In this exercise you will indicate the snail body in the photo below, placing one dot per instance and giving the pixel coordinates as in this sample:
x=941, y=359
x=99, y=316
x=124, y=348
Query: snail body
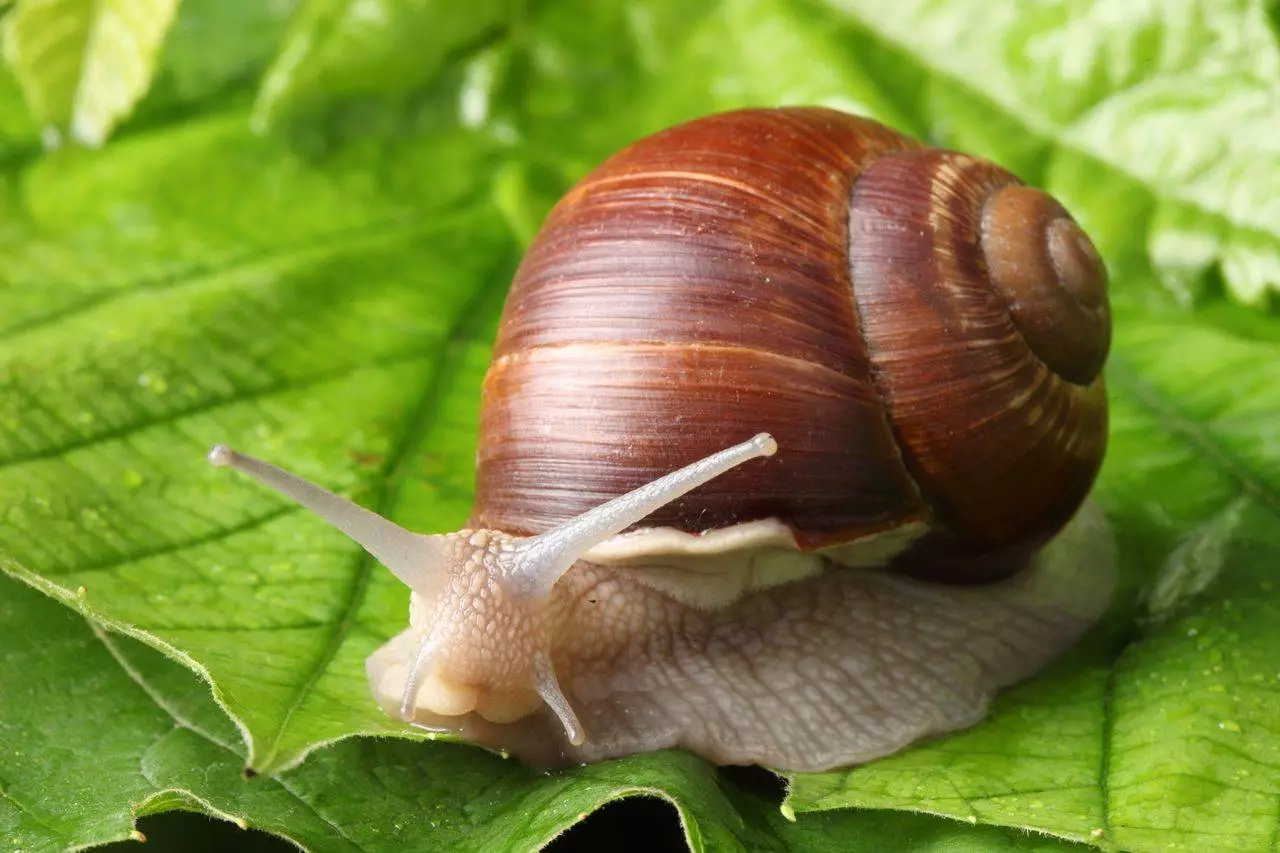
x=915, y=338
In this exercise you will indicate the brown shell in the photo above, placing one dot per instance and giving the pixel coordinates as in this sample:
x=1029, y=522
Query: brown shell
x=739, y=274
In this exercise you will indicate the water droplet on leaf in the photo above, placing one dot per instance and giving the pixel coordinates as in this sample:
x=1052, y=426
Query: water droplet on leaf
x=154, y=383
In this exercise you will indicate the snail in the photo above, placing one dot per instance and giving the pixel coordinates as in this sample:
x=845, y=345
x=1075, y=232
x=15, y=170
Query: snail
x=784, y=458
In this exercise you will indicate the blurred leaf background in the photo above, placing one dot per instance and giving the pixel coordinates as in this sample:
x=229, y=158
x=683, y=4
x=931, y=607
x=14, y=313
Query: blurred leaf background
x=290, y=224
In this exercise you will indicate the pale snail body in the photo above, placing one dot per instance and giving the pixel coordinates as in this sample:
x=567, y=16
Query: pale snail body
x=921, y=538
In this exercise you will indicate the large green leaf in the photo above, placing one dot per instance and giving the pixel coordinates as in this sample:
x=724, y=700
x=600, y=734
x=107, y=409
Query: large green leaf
x=84, y=63
x=327, y=298
x=69, y=779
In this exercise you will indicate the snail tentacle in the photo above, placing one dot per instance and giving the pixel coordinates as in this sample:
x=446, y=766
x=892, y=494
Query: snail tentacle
x=539, y=561
x=410, y=556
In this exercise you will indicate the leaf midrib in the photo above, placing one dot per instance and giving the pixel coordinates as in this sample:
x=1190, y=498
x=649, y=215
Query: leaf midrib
x=1201, y=442
x=285, y=385
x=451, y=351
x=320, y=244
x=1178, y=424
x=1108, y=738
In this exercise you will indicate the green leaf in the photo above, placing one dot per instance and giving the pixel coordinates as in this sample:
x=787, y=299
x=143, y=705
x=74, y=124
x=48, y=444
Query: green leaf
x=84, y=63
x=340, y=50
x=66, y=779
x=212, y=49
x=326, y=298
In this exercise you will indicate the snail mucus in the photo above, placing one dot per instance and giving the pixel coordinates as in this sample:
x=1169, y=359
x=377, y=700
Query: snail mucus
x=784, y=458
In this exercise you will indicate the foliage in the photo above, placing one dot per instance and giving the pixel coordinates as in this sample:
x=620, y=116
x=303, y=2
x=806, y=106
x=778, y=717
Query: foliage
x=300, y=242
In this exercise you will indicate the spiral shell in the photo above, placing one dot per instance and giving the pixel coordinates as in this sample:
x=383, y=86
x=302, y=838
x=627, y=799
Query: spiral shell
x=923, y=335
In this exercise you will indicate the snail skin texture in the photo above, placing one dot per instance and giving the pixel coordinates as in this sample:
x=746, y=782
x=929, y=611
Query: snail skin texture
x=784, y=458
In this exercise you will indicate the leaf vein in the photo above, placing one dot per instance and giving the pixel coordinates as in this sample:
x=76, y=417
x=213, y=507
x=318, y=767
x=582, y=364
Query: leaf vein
x=178, y=718
x=322, y=244
x=1190, y=432
x=184, y=545
x=465, y=328
x=1108, y=742
x=280, y=387
x=183, y=722
x=26, y=810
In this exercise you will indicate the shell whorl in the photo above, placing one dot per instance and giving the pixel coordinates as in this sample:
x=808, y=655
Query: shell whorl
x=983, y=307
x=1051, y=278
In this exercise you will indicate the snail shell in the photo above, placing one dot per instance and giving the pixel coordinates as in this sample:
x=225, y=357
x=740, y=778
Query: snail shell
x=920, y=332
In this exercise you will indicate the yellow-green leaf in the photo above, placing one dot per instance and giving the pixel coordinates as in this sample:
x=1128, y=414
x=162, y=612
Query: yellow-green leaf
x=83, y=64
